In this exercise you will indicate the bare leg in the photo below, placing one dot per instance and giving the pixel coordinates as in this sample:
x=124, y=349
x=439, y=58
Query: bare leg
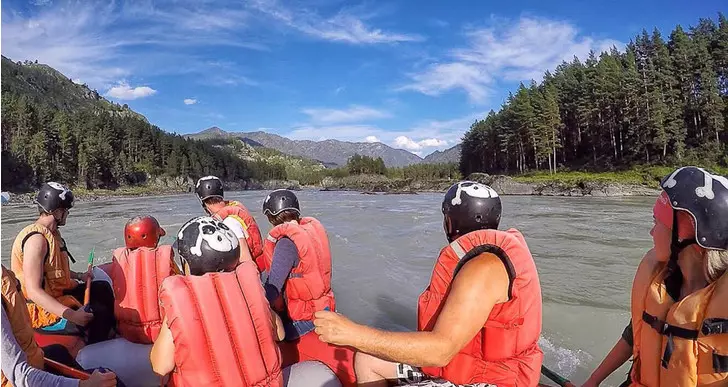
x=372, y=371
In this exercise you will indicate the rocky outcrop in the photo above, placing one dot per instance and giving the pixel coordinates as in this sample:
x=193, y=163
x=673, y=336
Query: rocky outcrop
x=292, y=185
x=506, y=185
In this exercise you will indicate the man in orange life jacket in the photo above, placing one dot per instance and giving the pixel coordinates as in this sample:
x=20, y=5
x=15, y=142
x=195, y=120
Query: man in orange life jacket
x=137, y=271
x=218, y=329
x=479, y=319
x=209, y=191
x=40, y=261
x=299, y=283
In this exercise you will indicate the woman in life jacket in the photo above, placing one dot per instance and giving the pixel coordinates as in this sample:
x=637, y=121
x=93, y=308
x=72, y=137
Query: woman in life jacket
x=210, y=193
x=297, y=260
x=55, y=294
x=478, y=321
x=137, y=271
x=679, y=308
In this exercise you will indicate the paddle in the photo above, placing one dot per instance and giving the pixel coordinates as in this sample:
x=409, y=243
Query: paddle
x=563, y=382
x=87, y=293
x=65, y=370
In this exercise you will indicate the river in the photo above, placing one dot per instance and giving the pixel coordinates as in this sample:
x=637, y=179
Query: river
x=384, y=247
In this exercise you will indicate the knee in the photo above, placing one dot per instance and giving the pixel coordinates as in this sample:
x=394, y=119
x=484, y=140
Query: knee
x=364, y=363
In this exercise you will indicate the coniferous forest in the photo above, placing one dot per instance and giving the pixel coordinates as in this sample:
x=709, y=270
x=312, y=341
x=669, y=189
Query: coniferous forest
x=662, y=101
x=53, y=129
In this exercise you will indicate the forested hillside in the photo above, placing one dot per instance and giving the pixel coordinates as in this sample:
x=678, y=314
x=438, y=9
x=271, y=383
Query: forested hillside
x=55, y=129
x=663, y=101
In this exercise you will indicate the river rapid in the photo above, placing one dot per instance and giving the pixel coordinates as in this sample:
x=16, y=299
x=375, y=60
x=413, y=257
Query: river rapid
x=384, y=247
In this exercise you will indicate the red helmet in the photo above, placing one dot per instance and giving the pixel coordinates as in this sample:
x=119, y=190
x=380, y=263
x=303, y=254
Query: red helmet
x=143, y=231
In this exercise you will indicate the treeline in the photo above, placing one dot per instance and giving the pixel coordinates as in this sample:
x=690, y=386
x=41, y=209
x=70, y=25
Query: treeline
x=93, y=148
x=358, y=164
x=658, y=103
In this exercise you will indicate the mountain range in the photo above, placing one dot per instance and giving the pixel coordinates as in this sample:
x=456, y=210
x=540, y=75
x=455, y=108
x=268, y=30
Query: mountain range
x=331, y=152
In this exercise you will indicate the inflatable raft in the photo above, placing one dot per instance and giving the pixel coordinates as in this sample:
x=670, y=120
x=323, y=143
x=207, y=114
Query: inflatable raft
x=72, y=338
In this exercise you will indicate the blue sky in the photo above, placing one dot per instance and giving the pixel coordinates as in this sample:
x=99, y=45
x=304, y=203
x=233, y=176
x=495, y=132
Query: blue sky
x=411, y=74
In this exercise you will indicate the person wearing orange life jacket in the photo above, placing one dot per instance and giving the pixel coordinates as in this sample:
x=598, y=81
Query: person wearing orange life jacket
x=137, y=271
x=209, y=191
x=677, y=333
x=218, y=328
x=299, y=283
x=40, y=261
x=23, y=360
x=478, y=321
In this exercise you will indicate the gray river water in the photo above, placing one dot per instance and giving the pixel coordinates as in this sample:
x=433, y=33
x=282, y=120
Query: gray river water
x=384, y=248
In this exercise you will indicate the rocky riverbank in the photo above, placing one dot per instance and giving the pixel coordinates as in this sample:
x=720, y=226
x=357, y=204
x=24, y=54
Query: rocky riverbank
x=370, y=184
x=504, y=185
x=157, y=187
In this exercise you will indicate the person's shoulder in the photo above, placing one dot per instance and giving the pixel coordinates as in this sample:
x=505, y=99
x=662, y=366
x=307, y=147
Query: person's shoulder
x=234, y=225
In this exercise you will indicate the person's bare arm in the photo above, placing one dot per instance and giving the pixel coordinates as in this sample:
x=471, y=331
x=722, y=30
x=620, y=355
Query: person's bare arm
x=482, y=283
x=162, y=353
x=245, y=255
x=34, y=252
x=280, y=333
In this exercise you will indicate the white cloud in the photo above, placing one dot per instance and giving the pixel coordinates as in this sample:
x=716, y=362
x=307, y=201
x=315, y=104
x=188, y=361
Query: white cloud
x=372, y=139
x=511, y=51
x=354, y=113
x=341, y=27
x=412, y=145
x=125, y=92
x=103, y=42
x=190, y=101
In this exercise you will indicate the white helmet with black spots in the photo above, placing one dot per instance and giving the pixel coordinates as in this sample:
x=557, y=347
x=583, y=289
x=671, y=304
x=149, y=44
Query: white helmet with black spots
x=469, y=206
x=207, y=245
x=705, y=197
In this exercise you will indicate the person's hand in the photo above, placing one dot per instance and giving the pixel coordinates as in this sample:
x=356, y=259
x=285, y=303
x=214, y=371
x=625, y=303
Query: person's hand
x=98, y=379
x=79, y=317
x=334, y=328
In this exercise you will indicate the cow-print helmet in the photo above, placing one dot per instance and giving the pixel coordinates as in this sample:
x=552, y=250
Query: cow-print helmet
x=704, y=196
x=207, y=245
x=469, y=206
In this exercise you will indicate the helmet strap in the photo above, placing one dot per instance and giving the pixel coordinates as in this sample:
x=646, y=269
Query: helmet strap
x=673, y=278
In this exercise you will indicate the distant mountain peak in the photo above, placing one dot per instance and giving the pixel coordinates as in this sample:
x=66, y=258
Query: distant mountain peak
x=329, y=152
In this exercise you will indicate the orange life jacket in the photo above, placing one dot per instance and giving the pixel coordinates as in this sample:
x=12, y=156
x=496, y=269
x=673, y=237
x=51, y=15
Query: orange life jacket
x=137, y=275
x=56, y=273
x=681, y=343
x=14, y=304
x=252, y=232
x=222, y=329
x=308, y=287
x=505, y=351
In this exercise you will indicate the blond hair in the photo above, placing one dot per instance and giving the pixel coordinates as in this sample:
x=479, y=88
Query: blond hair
x=716, y=264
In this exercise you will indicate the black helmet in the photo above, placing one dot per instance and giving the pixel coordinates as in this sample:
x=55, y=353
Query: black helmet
x=705, y=197
x=53, y=196
x=207, y=245
x=280, y=200
x=470, y=206
x=208, y=187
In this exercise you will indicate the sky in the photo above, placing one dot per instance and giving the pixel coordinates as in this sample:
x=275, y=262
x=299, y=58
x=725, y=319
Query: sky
x=411, y=74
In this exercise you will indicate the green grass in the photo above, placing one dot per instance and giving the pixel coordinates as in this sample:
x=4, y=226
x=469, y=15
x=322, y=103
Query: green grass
x=645, y=176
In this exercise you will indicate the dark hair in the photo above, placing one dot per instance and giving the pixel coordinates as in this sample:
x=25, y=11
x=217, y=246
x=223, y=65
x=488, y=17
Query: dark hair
x=213, y=200
x=283, y=217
